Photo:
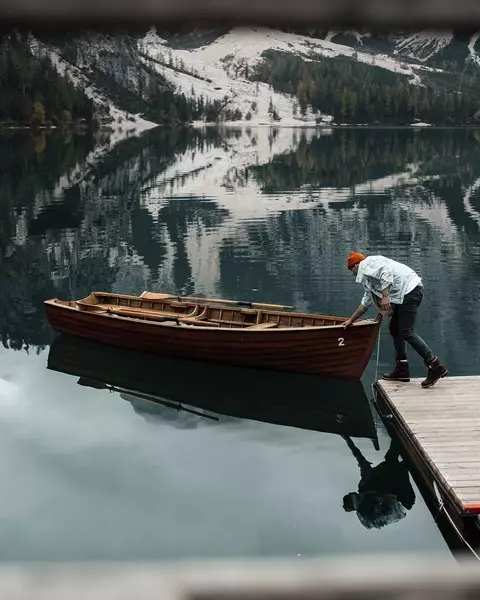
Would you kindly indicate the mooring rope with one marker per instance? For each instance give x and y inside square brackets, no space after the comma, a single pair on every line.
[378,354]
[442,508]
[377,362]
[374,381]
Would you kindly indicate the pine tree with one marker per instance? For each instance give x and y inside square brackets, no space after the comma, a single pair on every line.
[38,117]
[345,105]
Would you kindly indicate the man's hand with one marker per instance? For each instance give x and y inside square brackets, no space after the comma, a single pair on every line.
[385,303]
[361,310]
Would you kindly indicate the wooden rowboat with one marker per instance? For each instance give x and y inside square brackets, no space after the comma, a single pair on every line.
[220,331]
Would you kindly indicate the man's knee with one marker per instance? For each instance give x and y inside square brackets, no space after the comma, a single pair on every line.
[407,333]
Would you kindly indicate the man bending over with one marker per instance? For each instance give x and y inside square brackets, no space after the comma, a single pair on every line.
[398,292]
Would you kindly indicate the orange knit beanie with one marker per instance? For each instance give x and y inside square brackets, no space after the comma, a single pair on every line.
[354,258]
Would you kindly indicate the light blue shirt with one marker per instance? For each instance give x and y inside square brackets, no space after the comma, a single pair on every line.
[375,273]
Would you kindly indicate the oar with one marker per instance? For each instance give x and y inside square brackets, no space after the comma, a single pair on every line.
[155,296]
[106,386]
[156,400]
[151,316]
[125,311]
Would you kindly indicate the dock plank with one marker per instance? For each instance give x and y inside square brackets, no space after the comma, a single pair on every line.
[443,425]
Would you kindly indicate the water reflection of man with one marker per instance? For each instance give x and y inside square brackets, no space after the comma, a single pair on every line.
[385,493]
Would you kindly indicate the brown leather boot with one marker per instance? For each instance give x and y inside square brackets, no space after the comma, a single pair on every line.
[436,370]
[401,372]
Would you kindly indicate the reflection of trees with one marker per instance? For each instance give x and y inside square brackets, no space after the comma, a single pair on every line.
[24,282]
[180,217]
[354,156]
[26,174]
[31,168]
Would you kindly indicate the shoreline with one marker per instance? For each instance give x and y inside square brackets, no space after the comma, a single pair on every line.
[241,124]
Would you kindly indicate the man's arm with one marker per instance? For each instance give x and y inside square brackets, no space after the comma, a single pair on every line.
[385,301]
[361,310]
[385,276]
[386,291]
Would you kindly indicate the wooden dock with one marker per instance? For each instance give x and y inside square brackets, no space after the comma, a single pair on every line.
[439,428]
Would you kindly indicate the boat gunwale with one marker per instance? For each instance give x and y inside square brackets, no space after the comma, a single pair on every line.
[365,323]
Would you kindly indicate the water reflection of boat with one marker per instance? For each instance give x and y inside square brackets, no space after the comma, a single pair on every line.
[153,384]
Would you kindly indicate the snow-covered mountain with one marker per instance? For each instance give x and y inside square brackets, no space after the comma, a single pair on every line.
[223,68]
[220,70]
[428,47]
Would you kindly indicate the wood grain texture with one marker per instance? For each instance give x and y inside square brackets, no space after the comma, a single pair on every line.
[443,424]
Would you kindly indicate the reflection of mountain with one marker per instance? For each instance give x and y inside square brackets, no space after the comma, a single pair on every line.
[227,212]
[32,166]
[161,387]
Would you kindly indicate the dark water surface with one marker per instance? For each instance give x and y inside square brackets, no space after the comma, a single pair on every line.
[254,214]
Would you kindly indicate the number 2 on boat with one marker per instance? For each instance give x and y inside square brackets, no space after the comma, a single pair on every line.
[341,342]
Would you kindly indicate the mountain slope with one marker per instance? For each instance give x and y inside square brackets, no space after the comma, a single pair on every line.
[118,118]
[425,46]
[222,70]
[33,93]
[265,76]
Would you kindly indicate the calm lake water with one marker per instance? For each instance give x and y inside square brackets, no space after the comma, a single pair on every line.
[95,472]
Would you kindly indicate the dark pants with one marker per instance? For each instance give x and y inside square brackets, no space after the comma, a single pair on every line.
[402,323]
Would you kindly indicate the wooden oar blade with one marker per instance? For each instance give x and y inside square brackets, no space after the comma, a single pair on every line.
[155,296]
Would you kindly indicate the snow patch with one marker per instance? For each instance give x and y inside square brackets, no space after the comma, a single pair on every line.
[422,45]
[471,48]
[347,32]
[467,201]
[218,72]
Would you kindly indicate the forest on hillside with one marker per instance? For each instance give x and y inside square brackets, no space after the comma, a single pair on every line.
[33,93]
[355,92]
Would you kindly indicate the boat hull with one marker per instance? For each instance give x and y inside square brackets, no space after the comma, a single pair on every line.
[328,351]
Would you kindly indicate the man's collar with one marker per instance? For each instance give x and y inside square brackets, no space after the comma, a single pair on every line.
[360,272]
